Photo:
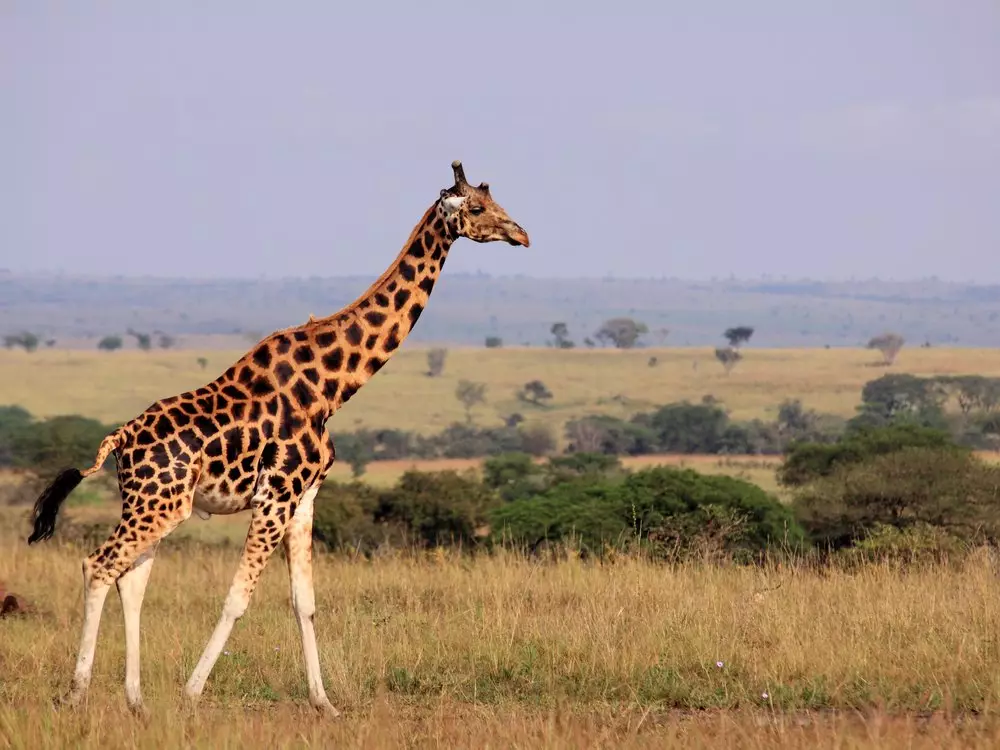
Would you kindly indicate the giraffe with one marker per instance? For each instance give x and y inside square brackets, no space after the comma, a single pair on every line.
[255,439]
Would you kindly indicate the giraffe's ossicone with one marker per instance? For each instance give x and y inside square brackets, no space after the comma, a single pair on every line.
[255,439]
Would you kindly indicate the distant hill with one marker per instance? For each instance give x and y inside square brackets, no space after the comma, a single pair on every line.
[467,308]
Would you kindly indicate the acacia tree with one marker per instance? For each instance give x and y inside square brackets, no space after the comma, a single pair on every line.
[738,335]
[110,343]
[470,394]
[560,334]
[889,344]
[534,392]
[729,357]
[435,362]
[623,333]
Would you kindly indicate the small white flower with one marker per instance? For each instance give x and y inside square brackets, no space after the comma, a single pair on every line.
[226,653]
[764,695]
[277,648]
[719,664]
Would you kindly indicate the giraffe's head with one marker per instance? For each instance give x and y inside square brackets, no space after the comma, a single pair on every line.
[475,215]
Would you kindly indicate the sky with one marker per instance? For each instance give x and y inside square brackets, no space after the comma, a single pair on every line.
[793,139]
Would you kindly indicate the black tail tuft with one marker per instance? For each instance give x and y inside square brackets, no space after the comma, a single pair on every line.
[48,503]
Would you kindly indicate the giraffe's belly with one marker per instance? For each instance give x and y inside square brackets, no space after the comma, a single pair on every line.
[209,502]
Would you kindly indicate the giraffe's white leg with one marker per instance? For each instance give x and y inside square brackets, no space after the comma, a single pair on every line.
[263,536]
[131,589]
[298,549]
[95,593]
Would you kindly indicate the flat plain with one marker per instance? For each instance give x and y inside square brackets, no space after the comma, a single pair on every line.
[116,386]
[435,650]
[438,650]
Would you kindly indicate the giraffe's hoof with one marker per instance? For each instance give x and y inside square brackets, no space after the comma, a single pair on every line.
[326,709]
[139,710]
[72,699]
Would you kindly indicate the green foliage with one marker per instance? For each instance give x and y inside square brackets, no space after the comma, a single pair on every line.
[560,336]
[110,343]
[54,443]
[343,518]
[26,340]
[943,488]
[438,508]
[623,333]
[493,342]
[808,461]
[738,335]
[673,511]
[14,422]
[534,392]
[666,495]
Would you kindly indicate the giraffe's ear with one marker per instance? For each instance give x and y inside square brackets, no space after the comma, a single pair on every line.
[452,203]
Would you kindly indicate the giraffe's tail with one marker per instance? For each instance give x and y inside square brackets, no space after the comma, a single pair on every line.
[47,505]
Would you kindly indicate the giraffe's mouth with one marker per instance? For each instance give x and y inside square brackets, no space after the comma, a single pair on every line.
[517,236]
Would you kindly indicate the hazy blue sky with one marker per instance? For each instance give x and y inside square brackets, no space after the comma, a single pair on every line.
[821,139]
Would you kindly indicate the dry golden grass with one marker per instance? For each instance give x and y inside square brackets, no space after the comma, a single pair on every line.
[115,387]
[437,650]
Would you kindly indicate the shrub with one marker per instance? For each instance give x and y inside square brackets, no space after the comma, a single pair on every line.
[435,362]
[684,500]
[807,462]
[343,518]
[940,487]
[438,508]
[670,511]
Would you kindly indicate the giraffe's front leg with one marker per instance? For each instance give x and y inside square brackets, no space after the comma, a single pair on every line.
[298,549]
[263,536]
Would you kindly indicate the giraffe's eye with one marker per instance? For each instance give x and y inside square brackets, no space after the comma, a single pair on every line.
[476,210]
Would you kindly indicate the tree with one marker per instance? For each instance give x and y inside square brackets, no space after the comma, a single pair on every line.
[493,342]
[435,362]
[534,392]
[166,341]
[142,340]
[470,394]
[202,362]
[560,333]
[728,356]
[26,340]
[622,333]
[889,344]
[738,335]
[110,343]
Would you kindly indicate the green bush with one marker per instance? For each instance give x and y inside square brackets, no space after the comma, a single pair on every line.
[585,510]
[939,487]
[686,500]
[671,510]
[807,462]
[343,518]
[438,508]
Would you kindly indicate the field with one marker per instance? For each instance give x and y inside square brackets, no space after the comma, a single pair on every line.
[435,650]
[115,387]
[505,652]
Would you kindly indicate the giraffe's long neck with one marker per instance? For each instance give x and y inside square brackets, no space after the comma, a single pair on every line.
[353,344]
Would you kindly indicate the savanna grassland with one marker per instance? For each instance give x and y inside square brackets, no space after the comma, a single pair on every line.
[115,386]
[503,651]
[437,649]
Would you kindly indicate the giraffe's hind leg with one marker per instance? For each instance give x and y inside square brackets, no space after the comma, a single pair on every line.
[268,521]
[125,558]
[132,589]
